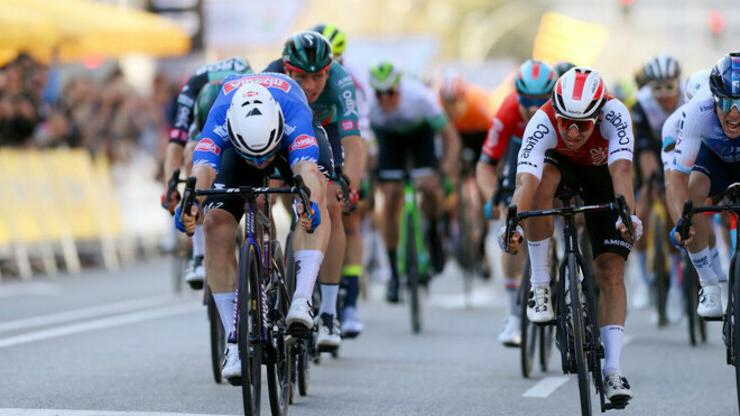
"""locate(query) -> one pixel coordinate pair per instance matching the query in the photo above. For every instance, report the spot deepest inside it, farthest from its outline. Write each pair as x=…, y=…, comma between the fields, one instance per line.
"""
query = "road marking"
x=103, y=323
x=545, y=387
x=85, y=313
x=55, y=412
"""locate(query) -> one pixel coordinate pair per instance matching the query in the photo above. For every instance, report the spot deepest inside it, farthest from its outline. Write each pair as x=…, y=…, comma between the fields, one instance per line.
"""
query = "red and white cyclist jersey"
x=611, y=140
x=507, y=124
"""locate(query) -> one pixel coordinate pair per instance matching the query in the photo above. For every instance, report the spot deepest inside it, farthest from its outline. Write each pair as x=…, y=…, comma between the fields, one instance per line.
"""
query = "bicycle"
x=731, y=318
x=262, y=297
x=470, y=223
x=574, y=300
x=413, y=258
x=658, y=252
x=690, y=285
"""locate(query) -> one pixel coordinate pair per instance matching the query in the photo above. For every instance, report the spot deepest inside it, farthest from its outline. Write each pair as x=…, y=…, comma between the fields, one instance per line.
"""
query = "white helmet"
x=579, y=93
x=255, y=122
x=696, y=82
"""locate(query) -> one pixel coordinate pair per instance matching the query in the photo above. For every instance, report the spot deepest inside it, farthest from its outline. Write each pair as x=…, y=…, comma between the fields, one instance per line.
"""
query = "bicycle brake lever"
x=188, y=197
x=511, y=222
x=624, y=213
x=684, y=225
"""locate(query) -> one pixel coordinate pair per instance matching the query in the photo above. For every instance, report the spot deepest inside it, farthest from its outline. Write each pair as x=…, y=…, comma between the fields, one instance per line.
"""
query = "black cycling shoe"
x=437, y=254
x=391, y=294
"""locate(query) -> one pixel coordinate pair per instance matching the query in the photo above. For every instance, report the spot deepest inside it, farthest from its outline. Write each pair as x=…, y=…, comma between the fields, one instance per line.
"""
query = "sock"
x=512, y=291
x=613, y=338
x=329, y=294
x=717, y=264
x=394, y=266
x=702, y=262
x=351, y=280
x=198, y=241
x=539, y=258
x=642, y=265
x=225, y=303
x=307, y=264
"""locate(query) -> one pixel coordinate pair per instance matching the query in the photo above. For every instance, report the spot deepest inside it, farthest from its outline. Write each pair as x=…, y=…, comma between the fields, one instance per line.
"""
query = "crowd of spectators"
x=102, y=114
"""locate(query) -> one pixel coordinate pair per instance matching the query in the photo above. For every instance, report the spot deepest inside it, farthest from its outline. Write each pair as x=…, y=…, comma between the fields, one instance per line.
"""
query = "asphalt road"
x=123, y=344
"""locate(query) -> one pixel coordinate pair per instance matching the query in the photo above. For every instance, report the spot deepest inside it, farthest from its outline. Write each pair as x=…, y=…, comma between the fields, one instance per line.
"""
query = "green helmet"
x=307, y=52
x=204, y=102
x=334, y=35
x=384, y=76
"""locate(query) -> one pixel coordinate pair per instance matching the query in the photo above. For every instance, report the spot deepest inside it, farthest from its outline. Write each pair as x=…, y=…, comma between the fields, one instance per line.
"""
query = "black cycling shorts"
x=335, y=142
x=595, y=185
x=472, y=145
x=721, y=174
x=395, y=150
x=235, y=171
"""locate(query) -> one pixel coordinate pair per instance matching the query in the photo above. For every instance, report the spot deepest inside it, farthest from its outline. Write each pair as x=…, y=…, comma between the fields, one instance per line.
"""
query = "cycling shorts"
x=721, y=174
x=595, y=187
x=395, y=150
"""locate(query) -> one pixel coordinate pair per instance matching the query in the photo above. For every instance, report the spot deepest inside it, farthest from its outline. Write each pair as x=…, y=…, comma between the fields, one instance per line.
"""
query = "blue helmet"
x=724, y=80
x=535, y=78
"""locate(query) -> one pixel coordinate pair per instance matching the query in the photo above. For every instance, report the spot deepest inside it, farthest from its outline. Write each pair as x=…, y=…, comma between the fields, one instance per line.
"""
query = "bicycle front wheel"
x=528, y=330
x=250, y=330
x=217, y=335
x=576, y=313
x=732, y=320
x=412, y=274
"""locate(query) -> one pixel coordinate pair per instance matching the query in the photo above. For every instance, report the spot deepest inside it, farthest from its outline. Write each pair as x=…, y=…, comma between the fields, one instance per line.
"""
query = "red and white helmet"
x=579, y=93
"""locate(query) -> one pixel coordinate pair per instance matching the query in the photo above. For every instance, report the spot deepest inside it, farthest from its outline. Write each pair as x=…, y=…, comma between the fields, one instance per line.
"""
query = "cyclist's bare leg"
x=393, y=202
x=220, y=237
x=699, y=186
x=612, y=305
x=539, y=229
x=433, y=196
x=512, y=266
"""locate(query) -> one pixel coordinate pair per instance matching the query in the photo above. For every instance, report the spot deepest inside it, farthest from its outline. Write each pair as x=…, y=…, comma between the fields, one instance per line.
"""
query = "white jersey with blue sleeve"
x=299, y=138
x=669, y=136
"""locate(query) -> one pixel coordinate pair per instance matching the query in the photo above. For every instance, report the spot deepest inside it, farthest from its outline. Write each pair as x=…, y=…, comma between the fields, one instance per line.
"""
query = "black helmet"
x=307, y=51
x=563, y=67
x=724, y=80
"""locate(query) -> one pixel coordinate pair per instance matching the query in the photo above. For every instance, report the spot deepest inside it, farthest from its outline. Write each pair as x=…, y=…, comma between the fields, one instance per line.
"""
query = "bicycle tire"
x=576, y=312
x=280, y=370
x=733, y=312
x=690, y=284
x=303, y=368
x=279, y=381
x=250, y=329
x=467, y=244
x=528, y=330
x=412, y=274
x=217, y=336
x=662, y=277
x=547, y=333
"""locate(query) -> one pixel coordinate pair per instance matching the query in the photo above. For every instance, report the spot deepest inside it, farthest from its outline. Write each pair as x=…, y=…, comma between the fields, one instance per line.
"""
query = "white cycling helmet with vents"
x=579, y=93
x=255, y=123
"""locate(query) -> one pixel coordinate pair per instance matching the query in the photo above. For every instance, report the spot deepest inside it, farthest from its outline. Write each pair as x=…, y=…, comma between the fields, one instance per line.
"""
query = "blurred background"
x=87, y=87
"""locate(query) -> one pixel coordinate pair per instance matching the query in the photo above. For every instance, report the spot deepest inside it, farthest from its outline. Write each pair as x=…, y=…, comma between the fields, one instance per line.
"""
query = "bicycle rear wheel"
x=217, y=336
x=412, y=274
x=696, y=325
x=576, y=311
x=250, y=330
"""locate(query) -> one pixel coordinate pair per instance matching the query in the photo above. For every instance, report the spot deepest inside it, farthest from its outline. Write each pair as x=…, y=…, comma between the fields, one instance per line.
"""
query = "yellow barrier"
x=563, y=38
x=53, y=198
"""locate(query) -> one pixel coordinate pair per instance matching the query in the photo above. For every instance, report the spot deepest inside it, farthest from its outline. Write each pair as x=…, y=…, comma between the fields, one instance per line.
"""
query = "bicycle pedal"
x=235, y=381
x=327, y=348
x=196, y=284
x=298, y=330
x=617, y=403
x=553, y=322
x=713, y=318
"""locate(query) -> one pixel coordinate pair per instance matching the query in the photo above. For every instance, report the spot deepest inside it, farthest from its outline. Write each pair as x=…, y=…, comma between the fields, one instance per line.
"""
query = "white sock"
x=307, y=264
x=702, y=262
x=613, y=338
x=539, y=258
x=717, y=264
x=198, y=241
x=225, y=303
x=329, y=294
x=512, y=291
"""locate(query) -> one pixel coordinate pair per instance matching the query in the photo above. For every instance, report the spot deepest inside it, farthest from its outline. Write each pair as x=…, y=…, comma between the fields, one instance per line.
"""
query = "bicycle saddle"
x=733, y=193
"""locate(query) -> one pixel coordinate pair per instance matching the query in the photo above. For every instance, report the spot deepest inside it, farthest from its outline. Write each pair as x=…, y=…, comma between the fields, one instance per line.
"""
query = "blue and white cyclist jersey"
x=700, y=125
x=299, y=138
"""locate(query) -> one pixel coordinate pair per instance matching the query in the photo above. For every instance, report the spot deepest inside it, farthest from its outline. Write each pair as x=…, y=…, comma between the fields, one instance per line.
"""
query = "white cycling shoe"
x=329, y=338
x=232, y=368
x=617, y=389
x=539, y=305
x=351, y=324
x=710, y=302
x=195, y=273
x=511, y=335
x=300, y=317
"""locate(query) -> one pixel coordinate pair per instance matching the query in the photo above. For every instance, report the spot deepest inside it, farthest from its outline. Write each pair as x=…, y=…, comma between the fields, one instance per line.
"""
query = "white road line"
x=103, y=323
x=55, y=412
x=84, y=313
x=545, y=387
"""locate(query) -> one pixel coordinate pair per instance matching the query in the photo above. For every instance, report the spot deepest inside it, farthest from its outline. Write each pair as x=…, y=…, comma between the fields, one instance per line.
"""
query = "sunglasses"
x=528, y=101
x=389, y=93
x=583, y=124
x=664, y=88
x=725, y=104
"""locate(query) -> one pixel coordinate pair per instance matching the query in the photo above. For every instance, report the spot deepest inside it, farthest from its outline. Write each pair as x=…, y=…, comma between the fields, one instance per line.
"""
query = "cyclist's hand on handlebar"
x=675, y=235
x=309, y=221
x=636, y=228
x=169, y=202
x=514, y=243
x=186, y=222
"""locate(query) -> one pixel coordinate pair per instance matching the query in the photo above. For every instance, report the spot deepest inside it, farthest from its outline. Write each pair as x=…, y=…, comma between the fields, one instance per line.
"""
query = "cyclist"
x=405, y=116
x=351, y=325
x=258, y=123
x=707, y=161
x=660, y=97
x=180, y=147
x=582, y=138
x=562, y=67
x=533, y=83
x=467, y=106
x=307, y=59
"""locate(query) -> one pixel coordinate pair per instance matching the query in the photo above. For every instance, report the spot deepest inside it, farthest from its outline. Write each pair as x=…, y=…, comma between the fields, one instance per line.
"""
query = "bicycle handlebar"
x=684, y=224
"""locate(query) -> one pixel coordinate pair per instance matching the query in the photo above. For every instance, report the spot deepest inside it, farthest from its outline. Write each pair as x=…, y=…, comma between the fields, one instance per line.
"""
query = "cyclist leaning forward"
x=405, y=116
x=581, y=138
x=307, y=59
x=203, y=86
x=707, y=160
x=259, y=123
x=533, y=83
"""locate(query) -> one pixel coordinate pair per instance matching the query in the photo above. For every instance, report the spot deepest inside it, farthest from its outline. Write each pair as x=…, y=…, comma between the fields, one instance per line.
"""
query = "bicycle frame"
x=410, y=207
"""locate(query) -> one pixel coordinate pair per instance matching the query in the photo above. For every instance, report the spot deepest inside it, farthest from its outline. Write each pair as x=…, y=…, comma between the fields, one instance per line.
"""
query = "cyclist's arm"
x=493, y=151
x=485, y=175
x=618, y=131
x=349, y=124
x=686, y=151
x=539, y=137
x=452, y=145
